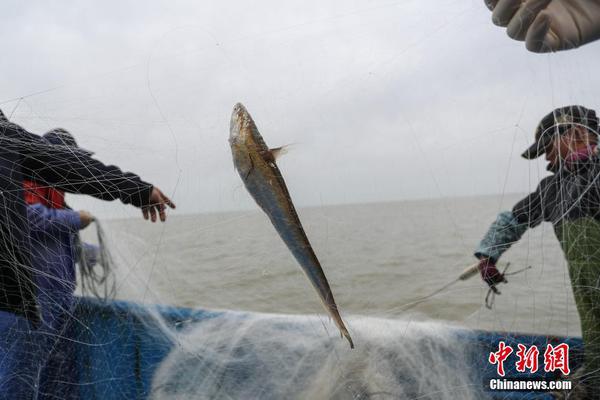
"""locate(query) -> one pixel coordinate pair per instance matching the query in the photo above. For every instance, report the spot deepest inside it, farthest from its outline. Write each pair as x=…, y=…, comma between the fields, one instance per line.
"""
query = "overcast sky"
x=383, y=100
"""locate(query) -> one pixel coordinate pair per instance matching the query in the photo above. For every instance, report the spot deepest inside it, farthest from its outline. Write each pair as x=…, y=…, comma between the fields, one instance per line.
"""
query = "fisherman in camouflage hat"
x=570, y=200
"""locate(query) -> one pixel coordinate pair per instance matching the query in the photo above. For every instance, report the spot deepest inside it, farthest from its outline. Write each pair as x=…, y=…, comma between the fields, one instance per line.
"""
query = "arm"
x=510, y=226
x=76, y=172
x=500, y=236
x=503, y=232
x=51, y=220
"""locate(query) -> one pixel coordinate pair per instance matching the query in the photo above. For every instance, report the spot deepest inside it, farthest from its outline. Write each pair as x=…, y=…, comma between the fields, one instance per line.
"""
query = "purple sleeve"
x=51, y=220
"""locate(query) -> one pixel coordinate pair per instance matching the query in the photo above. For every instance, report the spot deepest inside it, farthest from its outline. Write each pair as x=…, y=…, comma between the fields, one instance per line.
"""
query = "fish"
x=257, y=166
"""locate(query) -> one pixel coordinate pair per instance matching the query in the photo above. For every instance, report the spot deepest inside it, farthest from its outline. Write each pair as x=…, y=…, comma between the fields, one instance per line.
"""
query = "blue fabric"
x=53, y=259
x=53, y=250
x=503, y=232
x=19, y=364
x=59, y=373
x=26, y=353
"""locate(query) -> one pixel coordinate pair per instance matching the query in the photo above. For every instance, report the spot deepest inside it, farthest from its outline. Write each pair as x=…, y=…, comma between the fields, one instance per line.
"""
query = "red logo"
x=500, y=356
x=528, y=358
x=555, y=358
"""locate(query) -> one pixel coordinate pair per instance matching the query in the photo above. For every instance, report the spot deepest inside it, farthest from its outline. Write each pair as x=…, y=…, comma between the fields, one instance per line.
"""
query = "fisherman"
x=570, y=200
x=548, y=25
x=55, y=248
x=25, y=156
x=54, y=240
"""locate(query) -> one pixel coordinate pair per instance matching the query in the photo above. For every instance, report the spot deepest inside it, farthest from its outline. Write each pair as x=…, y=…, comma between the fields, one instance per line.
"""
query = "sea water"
x=377, y=257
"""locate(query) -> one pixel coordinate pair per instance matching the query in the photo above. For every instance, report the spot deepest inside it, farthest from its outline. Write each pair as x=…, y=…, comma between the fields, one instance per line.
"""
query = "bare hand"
x=86, y=218
x=158, y=203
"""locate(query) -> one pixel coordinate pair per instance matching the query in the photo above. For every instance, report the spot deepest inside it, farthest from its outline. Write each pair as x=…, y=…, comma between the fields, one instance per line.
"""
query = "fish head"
x=241, y=125
x=240, y=139
x=243, y=130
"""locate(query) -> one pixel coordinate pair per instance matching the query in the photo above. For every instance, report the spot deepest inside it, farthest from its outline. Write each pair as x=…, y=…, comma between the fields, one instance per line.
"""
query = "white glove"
x=548, y=25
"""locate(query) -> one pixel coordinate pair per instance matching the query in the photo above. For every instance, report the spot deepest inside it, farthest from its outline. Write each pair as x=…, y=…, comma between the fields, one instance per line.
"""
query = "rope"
x=489, y=298
x=97, y=279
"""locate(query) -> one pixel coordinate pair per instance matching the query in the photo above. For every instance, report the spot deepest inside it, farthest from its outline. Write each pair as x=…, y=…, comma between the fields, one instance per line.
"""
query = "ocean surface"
x=378, y=258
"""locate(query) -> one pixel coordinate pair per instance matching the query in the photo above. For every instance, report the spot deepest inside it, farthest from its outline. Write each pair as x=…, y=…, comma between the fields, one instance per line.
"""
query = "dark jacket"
x=24, y=155
x=571, y=193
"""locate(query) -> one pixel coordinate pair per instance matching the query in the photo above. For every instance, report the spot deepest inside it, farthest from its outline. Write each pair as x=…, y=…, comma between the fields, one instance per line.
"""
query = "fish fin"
x=272, y=155
x=279, y=151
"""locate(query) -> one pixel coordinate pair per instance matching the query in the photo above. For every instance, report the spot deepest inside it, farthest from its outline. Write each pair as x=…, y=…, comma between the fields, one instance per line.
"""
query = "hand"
x=548, y=25
x=490, y=274
x=158, y=202
x=86, y=218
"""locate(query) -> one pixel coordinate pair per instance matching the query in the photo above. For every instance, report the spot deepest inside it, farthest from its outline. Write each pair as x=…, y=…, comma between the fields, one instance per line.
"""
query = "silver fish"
x=255, y=163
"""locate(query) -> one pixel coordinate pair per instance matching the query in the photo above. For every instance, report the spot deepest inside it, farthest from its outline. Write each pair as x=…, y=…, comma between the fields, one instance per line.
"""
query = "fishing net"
x=96, y=270
x=407, y=119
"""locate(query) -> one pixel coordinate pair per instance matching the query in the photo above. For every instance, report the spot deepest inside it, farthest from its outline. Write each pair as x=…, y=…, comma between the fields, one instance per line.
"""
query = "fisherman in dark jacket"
x=570, y=200
x=25, y=156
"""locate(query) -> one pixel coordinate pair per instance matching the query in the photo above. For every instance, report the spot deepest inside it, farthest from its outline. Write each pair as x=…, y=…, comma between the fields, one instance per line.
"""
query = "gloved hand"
x=548, y=25
x=490, y=274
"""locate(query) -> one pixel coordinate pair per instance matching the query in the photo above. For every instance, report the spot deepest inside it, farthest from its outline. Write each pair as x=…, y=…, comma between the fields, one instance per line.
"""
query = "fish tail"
x=343, y=330
x=334, y=313
x=346, y=334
